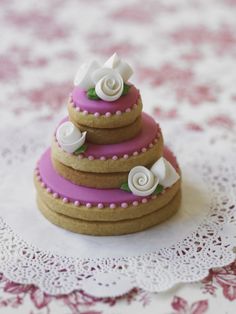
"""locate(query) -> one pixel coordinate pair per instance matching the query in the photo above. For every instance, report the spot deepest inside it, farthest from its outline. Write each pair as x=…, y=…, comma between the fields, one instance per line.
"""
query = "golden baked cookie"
x=107, y=120
x=107, y=228
x=111, y=136
x=91, y=179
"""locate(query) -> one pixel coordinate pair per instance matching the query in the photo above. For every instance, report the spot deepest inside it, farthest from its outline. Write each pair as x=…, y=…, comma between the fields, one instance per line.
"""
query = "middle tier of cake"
x=107, y=166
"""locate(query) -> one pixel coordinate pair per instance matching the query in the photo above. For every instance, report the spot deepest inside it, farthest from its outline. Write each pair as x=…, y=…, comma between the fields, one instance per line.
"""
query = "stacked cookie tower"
x=107, y=171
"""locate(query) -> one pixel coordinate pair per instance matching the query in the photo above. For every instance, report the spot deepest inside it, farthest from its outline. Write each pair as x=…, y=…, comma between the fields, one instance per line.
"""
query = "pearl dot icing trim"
x=125, y=156
x=99, y=205
x=97, y=114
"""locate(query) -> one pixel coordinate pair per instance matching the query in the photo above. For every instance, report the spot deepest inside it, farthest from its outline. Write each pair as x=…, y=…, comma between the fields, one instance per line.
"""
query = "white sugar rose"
x=109, y=84
x=69, y=137
x=142, y=181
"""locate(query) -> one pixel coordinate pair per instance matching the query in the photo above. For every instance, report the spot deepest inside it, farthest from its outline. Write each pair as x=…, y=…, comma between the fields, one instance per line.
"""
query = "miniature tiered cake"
x=107, y=171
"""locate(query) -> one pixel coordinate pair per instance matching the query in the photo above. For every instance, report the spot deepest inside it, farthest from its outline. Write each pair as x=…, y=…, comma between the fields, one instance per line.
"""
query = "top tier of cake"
x=104, y=103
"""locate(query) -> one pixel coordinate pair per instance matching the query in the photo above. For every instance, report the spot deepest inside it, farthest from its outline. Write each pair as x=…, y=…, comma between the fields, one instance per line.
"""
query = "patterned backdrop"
x=183, y=53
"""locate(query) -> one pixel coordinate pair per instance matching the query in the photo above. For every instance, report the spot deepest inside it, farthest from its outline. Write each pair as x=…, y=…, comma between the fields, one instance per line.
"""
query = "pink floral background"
x=184, y=56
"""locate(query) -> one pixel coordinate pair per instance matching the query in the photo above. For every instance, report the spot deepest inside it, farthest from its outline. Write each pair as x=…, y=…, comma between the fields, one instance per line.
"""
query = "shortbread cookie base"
x=102, y=228
x=91, y=179
x=106, y=213
x=107, y=121
x=111, y=136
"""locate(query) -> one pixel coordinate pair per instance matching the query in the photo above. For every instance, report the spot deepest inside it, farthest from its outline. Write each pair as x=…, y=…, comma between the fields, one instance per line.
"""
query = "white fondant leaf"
x=165, y=172
x=159, y=168
x=83, y=77
x=125, y=70
x=112, y=62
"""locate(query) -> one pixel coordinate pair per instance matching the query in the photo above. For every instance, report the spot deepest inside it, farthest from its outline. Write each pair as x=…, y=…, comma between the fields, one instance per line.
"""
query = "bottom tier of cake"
x=101, y=211
x=109, y=228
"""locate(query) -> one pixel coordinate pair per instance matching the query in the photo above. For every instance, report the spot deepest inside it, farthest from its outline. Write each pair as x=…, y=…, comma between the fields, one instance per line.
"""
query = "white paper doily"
x=183, y=249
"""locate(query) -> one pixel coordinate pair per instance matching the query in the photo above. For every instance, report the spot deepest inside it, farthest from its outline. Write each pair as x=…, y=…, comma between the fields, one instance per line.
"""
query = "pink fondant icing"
x=84, y=195
x=80, y=99
x=150, y=129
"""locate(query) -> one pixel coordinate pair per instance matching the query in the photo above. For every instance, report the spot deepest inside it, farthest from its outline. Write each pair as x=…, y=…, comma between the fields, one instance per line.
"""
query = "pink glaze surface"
x=71, y=192
x=150, y=130
x=80, y=99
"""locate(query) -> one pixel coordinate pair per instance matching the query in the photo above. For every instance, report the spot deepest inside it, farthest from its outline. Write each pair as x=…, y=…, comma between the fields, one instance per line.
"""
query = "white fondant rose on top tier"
x=143, y=182
x=69, y=137
x=108, y=84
